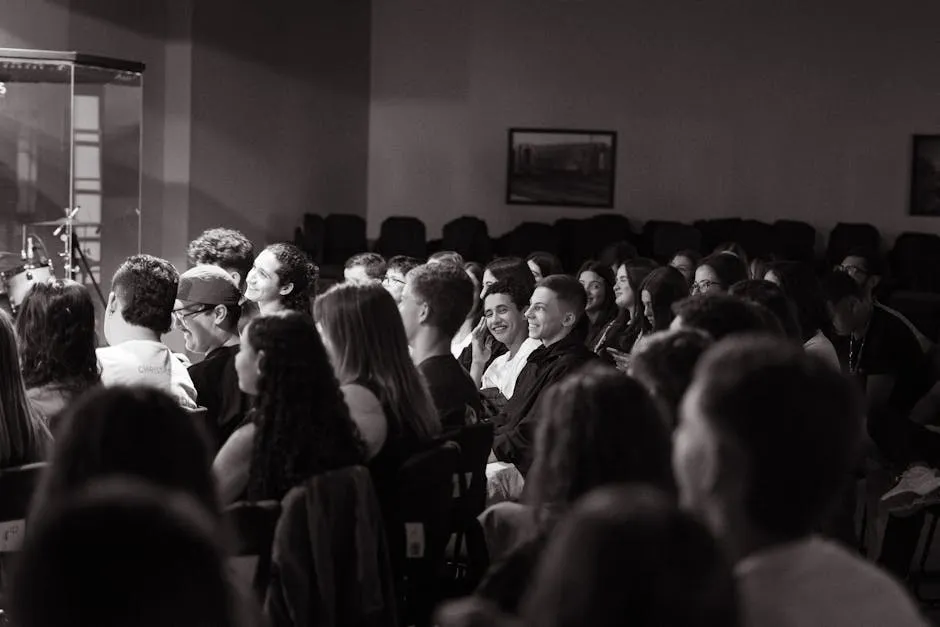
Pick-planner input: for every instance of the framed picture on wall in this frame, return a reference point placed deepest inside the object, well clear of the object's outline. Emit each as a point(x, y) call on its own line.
point(561, 167)
point(925, 176)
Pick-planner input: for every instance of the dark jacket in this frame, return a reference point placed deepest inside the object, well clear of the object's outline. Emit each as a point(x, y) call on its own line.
point(515, 426)
point(330, 564)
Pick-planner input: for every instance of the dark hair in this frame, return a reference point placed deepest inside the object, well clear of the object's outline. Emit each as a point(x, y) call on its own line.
point(800, 283)
point(447, 256)
point(721, 314)
point(23, 437)
point(873, 262)
point(628, 327)
point(364, 326)
point(596, 427)
point(512, 268)
point(296, 268)
point(570, 293)
point(665, 362)
point(728, 267)
point(837, 286)
point(226, 248)
point(665, 285)
point(475, 272)
point(609, 308)
point(133, 431)
point(517, 293)
point(771, 398)
point(57, 339)
point(771, 296)
point(120, 553)
point(617, 254)
point(373, 263)
point(629, 553)
point(548, 263)
point(692, 255)
point(447, 290)
point(732, 248)
point(402, 263)
point(146, 286)
point(304, 427)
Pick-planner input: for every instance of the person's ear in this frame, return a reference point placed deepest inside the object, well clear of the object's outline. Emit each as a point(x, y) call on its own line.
point(259, 361)
point(220, 311)
point(424, 311)
point(236, 275)
point(569, 319)
point(286, 289)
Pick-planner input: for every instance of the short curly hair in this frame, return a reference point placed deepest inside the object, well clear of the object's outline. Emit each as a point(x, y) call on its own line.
point(295, 267)
point(146, 287)
point(226, 248)
point(374, 264)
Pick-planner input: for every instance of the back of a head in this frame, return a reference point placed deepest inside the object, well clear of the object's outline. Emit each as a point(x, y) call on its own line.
point(227, 248)
point(627, 553)
point(665, 363)
point(123, 554)
point(448, 292)
point(548, 263)
point(402, 264)
point(451, 257)
point(373, 264)
point(597, 427)
point(146, 288)
point(511, 268)
point(771, 296)
point(720, 315)
point(135, 431)
point(729, 267)
point(771, 400)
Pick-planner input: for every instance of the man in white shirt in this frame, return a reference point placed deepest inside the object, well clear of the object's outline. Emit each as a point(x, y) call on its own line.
point(139, 312)
point(766, 438)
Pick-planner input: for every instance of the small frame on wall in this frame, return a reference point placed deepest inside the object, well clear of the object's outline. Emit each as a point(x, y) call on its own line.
point(561, 167)
point(925, 176)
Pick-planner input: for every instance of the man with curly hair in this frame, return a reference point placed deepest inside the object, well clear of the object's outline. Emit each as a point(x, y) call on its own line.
point(227, 248)
point(138, 313)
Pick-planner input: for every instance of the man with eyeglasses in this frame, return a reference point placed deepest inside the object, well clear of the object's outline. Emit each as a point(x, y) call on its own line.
point(398, 267)
point(207, 312)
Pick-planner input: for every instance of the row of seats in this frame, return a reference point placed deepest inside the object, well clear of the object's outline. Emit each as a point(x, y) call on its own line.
point(914, 259)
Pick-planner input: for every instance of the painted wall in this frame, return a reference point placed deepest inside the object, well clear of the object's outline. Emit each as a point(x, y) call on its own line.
point(728, 108)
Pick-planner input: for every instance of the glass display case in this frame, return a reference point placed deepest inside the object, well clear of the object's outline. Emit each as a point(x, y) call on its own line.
point(70, 167)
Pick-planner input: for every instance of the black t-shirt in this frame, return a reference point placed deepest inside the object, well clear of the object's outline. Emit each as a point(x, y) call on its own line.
point(455, 396)
point(217, 390)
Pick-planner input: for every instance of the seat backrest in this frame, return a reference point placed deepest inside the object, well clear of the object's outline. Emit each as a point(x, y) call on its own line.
point(311, 237)
point(252, 526)
point(717, 231)
point(402, 235)
point(527, 238)
point(469, 236)
point(794, 240)
point(848, 235)
point(345, 236)
point(17, 486)
point(668, 238)
point(475, 442)
point(915, 262)
point(755, 237)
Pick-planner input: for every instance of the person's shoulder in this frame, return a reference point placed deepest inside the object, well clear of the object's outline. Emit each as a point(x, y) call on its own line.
point(360, 397)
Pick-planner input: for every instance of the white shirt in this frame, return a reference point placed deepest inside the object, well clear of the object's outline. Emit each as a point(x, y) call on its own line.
point(820, 346)
point(457, 347)
point(503, 372)
point(815, 582)
point(147, 362)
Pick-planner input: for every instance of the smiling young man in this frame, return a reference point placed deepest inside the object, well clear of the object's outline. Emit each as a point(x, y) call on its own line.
point(556, 318)
point(207, 312)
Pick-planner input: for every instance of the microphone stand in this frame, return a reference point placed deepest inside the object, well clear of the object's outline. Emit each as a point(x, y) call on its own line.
point(77, 247)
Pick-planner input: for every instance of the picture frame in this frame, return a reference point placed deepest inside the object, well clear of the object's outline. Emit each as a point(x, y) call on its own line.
point(924, 193)
point(561, 167)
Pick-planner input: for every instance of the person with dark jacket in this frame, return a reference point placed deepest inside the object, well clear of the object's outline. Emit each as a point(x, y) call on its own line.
point(556, 318)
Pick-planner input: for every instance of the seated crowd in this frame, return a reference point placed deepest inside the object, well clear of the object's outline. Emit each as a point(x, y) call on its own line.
point(671, 445)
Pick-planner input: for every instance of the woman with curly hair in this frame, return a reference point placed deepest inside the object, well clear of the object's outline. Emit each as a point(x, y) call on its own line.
point(597, 427)
point(300, 426)
point(282, 279)
point(387, 397)
point(24, 438)
point(57, 341)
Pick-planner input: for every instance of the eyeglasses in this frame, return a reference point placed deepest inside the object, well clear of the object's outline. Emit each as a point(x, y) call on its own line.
point(388, 280)
point(850, 269)
point(700, 287)
point(183, 313)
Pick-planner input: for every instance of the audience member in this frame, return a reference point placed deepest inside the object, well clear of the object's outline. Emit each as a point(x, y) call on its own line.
point(543, 264)
point(732, 248)
point(365, 267)
point(504, 320)
point(207, 312)
point(301, 425)
point(772, 297)
point(686, 261)
point(447, 256)
point(398, 267)
point(507, 268)
point(55, 326)
point(136, 432)
point(597, 427)
point(661, 288)
point(628, 555)
point(282, 278)
point(475, 272)
point(717, 273)
point(664, 365)
point(434, 303)
point(227, 248)
point(138, 313)
point(720, 315)
point(617, 340)
point(556, 318)
point(125, 554)
point(601, 309)
point(24, 438)
point(759, 266)
point(753, 403)
point(800, 283)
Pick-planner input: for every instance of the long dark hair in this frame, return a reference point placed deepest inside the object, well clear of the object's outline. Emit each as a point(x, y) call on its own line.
point(628, 327)
point(23, 437)
point(475, 270)
point(57, 339)
point(609, 309)
point(303, 423)
point(800, 283)
point(666, 286)
point(294, 267)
